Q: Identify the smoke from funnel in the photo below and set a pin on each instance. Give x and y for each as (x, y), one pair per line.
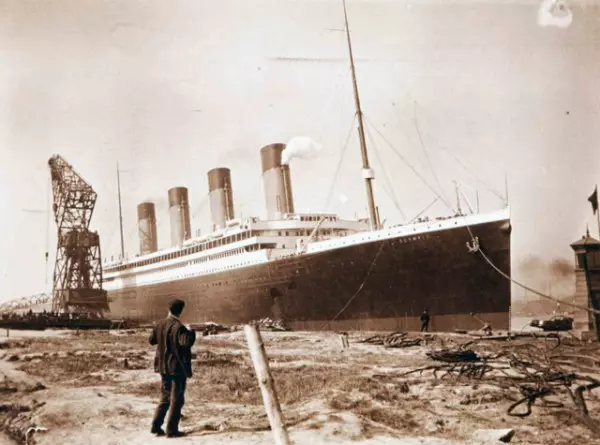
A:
(555, 277)
(562, 269)
(559, 268)
(555, 13)
(532, 265)
(300, 147)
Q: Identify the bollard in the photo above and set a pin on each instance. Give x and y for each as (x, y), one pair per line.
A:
(267, 388)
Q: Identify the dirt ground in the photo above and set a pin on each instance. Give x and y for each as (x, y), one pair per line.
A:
(95, 388)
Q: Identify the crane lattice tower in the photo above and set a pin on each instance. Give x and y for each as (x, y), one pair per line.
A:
(77, 283)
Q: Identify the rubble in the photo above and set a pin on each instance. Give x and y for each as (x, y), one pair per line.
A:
(446, 355)
(472, 389)
(268, 324)
(534, 370)
(265, 324)
(209, 328)
(396, 340)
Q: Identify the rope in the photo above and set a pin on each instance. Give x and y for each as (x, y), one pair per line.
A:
(424, 210)
(359, 287)
(424, 148)
(489, 188)
(339, 166)
(329, 102)
(508, 277)
(198, 208)
(112, 235)
(131, 232)
(391, 192)
(408, 165)
(486, 185)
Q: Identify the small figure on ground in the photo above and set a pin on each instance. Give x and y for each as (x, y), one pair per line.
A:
(173, 361)
(425, 321)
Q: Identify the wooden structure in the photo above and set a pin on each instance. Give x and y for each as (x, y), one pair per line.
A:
(587, 286)
(267, 386)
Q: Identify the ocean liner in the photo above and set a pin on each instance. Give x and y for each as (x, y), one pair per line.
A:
(315, 271)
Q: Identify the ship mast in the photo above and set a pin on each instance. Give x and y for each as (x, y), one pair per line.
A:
(368, 173)
(120, 215)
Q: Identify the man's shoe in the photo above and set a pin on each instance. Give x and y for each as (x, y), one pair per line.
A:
(176, 434)
(157, 431)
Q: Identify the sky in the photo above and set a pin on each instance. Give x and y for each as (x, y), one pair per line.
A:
(468, 91)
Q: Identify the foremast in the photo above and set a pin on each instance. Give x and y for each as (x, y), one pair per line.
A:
(367, 171)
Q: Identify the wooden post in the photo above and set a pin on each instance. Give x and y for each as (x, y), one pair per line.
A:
(267, 388)
(344, 340)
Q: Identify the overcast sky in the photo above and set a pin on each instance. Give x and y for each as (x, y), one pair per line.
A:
(173, 89)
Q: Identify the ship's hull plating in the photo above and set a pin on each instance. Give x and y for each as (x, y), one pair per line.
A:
(379, 285)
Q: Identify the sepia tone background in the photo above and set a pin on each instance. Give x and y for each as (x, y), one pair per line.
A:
(173, 89)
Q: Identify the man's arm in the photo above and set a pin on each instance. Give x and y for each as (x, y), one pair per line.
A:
(152, 339)
(186, 337)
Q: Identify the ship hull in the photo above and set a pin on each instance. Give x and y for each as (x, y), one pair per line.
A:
(378, 285)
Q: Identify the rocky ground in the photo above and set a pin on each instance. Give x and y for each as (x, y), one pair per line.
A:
(98, 388)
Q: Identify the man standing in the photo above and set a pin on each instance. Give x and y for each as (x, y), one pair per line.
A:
(424, 321)
(173, 361)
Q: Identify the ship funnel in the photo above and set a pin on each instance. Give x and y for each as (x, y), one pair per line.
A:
(276, 181)
(220, 195)
(179, 213)
(147, 228)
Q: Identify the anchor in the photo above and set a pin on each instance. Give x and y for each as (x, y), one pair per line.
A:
(474, 246)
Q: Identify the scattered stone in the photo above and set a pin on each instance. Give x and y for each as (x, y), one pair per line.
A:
(503, 435)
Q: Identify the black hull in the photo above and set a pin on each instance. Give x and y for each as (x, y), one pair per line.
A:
(433, 270)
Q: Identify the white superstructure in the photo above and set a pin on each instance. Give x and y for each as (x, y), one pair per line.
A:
(254, 241)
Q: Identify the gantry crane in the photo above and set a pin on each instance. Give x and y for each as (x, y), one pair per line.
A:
(77, 283)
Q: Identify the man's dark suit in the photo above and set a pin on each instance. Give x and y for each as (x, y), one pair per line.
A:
(173, 361)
